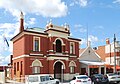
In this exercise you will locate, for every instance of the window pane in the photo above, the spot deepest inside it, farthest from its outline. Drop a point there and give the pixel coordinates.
(36, 45)
(33, 79)
(71, 48)
(36, 69)
(72, 69)
(42, 78)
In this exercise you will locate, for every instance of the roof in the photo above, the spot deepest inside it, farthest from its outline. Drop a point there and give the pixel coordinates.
(88, 54)
(101, 52)
(36, 29)
(32, 30)
(74, 38)
(81, 50)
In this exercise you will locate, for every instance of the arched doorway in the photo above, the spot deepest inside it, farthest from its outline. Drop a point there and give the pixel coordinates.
(58, 71)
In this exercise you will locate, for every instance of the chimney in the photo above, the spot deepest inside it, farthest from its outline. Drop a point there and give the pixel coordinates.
(107, 41)
(21, 22)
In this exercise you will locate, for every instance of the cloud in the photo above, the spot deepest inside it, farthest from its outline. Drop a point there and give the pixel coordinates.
(2, 44)
(84, 41)
(81, 3)
(92, 38)
(116, 1)
(46, 8)
(8, 30)
(32, 21)
(80, 28)
(4, 60)
(72, 4)
(99, 27)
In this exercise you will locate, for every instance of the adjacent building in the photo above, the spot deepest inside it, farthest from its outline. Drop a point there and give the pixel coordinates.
(100, 60)
(90, 62)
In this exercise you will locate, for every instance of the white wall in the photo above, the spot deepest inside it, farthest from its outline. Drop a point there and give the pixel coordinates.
(2, 77)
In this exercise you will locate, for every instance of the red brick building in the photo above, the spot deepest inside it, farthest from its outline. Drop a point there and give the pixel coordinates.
(45, 51)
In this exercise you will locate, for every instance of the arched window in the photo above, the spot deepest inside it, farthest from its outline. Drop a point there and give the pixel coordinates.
(58, 46)
(72, 66)
(36, 64)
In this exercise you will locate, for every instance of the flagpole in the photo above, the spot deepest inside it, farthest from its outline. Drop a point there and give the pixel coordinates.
(114, 54)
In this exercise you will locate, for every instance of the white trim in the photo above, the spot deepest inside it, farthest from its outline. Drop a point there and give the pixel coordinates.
(20, 57)
(30, 33)
(17, 37)
(27, 33)
(73, 56)
(61, 58)
(70, 63)
(60, 54)
(72, 43)
(92, 63)
(59, 61)
(51, 50)
(83, 51)
(60, 40)
(35, 54)
(36, 60)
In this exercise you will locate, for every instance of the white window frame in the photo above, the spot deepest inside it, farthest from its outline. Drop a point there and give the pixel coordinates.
(34, 42)
(36, 69)
(72, 51)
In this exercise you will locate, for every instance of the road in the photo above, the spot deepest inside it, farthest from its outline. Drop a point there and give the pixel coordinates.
(24, 83)
(14, 82)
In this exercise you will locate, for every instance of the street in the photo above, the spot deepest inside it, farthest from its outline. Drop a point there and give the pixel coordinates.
(15, 82)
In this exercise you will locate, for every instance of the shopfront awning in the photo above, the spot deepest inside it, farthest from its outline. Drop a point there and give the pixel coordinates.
(117, 67)
(92, 63)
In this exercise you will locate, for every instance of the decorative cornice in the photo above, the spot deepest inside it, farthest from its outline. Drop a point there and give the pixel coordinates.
(60, 58)
(21, 56)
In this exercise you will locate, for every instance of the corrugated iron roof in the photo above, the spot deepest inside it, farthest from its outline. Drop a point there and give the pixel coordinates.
(36, 29)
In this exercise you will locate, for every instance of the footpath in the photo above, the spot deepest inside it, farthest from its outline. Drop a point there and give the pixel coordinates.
(15, 82)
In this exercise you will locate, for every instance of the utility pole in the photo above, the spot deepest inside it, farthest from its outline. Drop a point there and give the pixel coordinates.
(114, 54)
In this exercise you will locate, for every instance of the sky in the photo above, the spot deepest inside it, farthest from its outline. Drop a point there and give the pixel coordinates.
(94, 20)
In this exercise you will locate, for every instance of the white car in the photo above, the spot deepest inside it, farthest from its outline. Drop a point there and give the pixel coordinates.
(53, 80)
(81, 79)
(40, 79)
(113, 77)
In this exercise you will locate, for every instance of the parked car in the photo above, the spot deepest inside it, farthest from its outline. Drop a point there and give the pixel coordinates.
(56, 81)
(113, 77)
(81, 79)
(40, 79)
(100, 79)
(104, 80)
